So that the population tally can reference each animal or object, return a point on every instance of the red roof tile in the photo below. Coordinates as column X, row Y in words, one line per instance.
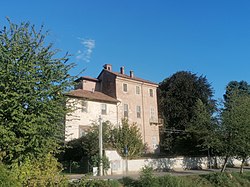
column 96, row 96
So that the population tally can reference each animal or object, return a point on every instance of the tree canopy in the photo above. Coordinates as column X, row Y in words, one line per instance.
column 235, row 117
column 178, row 97
column 32, row 82
column 127, row 135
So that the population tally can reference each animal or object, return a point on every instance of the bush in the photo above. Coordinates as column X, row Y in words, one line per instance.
column 85, row 182
column 220, row 179
column 7, row 178
column 172, row 181
column 40, row 172
column 147, row 178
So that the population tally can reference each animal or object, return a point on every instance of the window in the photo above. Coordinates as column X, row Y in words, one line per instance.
column 125, row 110
column 84, row 106
column 151, row 92
column 125, row 87
column 137, row 90
column 152, row 113
column 138, row 111
column 104, row 109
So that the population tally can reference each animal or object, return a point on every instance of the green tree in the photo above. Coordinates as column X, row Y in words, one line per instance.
column 235, row 87
column 32, row 82
column 127, row 136
column 178, row 96
column 236, row 128
column 113, row 138
column 87, row 147
column 204, row 128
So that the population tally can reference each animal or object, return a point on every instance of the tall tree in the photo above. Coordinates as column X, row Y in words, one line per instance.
column 235, row 87
column 236, row 122
column 32, row 82
column 178, row 96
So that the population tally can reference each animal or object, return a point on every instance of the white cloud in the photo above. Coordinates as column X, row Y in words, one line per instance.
column 88, row 46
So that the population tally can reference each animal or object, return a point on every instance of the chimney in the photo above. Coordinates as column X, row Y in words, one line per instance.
column 132, row 74
column 122, row 70
column 108, row 67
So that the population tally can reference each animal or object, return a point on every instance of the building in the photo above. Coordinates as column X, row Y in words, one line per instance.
column 122, row 96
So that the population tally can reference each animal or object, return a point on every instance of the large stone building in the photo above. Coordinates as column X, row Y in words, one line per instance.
column 114, row 96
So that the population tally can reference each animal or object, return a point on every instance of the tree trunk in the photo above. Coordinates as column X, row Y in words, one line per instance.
column 225, row 164
column 242, row 165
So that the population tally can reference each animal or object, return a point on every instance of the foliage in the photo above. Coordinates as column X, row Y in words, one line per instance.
column 220, row 179
column 147, row 179
column 204, row 128
column 32, row 83
column 44, row 171
column 235, row 87
column 127, row 136
column 113, row 137
column 236, row 127
column 87, row 146
column 86, row 182
column 95, row 160
column 178, row 97
column 7, row 178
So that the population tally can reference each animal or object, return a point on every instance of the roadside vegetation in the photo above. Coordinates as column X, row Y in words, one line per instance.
column 147, row 179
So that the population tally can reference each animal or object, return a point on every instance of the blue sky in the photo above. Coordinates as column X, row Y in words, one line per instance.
column 155, row 39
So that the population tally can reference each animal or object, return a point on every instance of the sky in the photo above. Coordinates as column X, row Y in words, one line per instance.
column 155, row 39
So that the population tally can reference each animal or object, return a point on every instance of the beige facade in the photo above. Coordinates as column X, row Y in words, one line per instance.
column 134, row 99
column 142, row 108
column 86, row 108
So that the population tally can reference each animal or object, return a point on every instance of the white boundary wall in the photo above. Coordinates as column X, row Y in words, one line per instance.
column 118, row 165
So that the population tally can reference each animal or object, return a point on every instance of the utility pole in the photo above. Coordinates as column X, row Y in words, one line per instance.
column 100, row 146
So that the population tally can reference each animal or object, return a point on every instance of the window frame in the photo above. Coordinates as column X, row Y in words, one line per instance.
column 125, row 85
column 104, row 109
column 84, row 107
column 125, row 110
column 152, row 112
column 137, row 90
column 151, row 92
column 138, row 111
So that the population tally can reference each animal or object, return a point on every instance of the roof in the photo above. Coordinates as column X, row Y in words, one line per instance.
column 128, row 77
column 87, row 78
column 96, row 96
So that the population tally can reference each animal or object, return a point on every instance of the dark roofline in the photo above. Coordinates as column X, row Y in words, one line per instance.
column 127, row 77
column 87, row 78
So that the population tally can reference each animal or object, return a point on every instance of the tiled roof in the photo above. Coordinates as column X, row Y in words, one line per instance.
column 87, row 78
column 132, row 78
column 96, row 96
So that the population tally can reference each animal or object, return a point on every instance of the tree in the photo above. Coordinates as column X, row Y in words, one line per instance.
column 236, row 125
column 113, row 138
column 235, row 87
column 127, row 138
column 32, row 104
column 204, row 128
column 178, row 96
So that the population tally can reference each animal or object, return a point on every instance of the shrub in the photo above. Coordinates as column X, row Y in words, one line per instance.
column 172, row 181
column 147, row 178
column 7, row 178
column 40, row 172
column 220, row 179
column 85, row 182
